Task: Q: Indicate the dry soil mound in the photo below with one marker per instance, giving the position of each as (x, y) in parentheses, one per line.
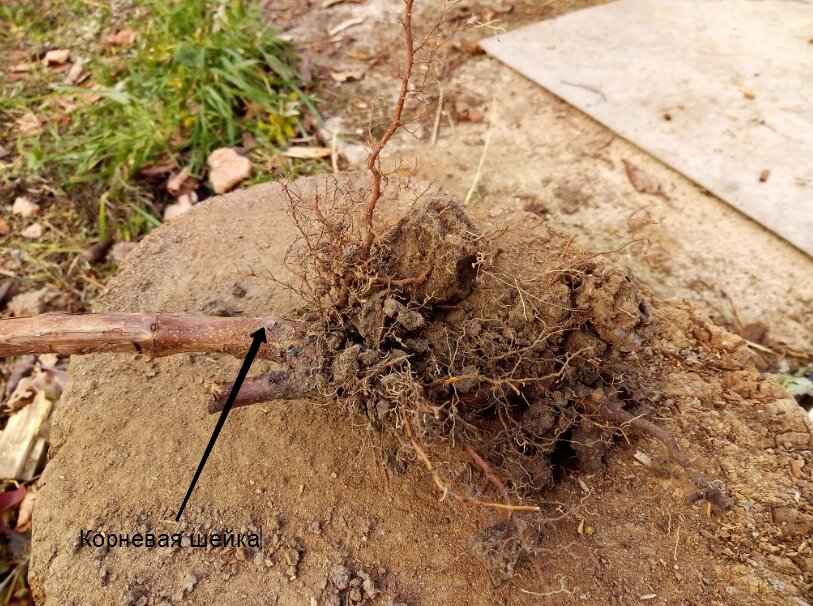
(339, 517)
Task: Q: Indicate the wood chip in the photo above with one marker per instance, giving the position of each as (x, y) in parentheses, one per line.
(640, 180)
(20, 435)
(347, 76)
(642, 458)
(345, 25)
(307, 153)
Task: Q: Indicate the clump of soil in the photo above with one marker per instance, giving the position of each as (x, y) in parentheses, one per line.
(493, 368)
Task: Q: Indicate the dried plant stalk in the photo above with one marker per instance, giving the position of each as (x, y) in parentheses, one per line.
(157, 334)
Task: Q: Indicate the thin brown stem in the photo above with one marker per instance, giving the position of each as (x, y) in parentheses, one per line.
(151, 334)
(373, 161)
(276, 385)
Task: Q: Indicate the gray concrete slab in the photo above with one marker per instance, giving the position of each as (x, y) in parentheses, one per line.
(721, 90)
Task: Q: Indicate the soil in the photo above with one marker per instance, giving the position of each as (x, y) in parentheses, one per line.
(547, 156)
(343, 522)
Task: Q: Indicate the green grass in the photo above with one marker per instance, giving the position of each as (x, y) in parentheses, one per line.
(200, 75)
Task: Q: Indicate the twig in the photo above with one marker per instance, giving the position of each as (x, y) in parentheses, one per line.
(150, 334)
(475, 182)
(438, 113)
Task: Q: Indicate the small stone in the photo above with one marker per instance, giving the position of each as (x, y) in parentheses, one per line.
(340, 577)
(355, 594)
(189, 582)
(227, 169)
(5, 228)
(24, 207)
(57, 57)
(33, 231)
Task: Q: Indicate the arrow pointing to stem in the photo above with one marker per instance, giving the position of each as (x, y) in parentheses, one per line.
(258, 339)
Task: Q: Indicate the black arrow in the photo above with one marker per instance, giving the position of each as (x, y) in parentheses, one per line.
(259, 339)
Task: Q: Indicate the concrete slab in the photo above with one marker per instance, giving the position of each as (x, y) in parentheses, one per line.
(721, 90)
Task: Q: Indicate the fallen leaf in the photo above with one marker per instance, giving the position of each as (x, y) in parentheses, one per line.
(39, 301)
(57, 57)
(10, 498)
(641, 181)
(796, 467)
(347, 76)
(307, 153)
(467, 113)
(22, 395)
(23, 367)
(471, 46)
(5, 228)
(26, 509)
(159, 169)
(249, 140)
(29, 124)
(20, 68)
(25, 208)
(347, 24)
(227, 169)
(76, 75)
(123, 37)
(33, 231)
(68, 104)
(97, 252)
(121, 250)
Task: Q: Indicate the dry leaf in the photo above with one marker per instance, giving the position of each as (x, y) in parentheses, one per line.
(123, 37)
(471, 46)
(307, 153)
(25, 208)
(33, 231)
(121, 250)
(57, 57)
(347, 76)
(249, 140)
(467, 113)
(227, 169)
(76, 75)
(20, 68)
(29, 124)
(5, 228)
(26, 509)
(796, 467)
(68, 104)
(641, 181)
(159, 169)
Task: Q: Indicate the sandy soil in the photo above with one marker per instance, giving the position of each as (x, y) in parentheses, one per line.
(129, 433)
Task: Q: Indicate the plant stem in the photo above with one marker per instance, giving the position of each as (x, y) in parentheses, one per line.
(151, 334)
